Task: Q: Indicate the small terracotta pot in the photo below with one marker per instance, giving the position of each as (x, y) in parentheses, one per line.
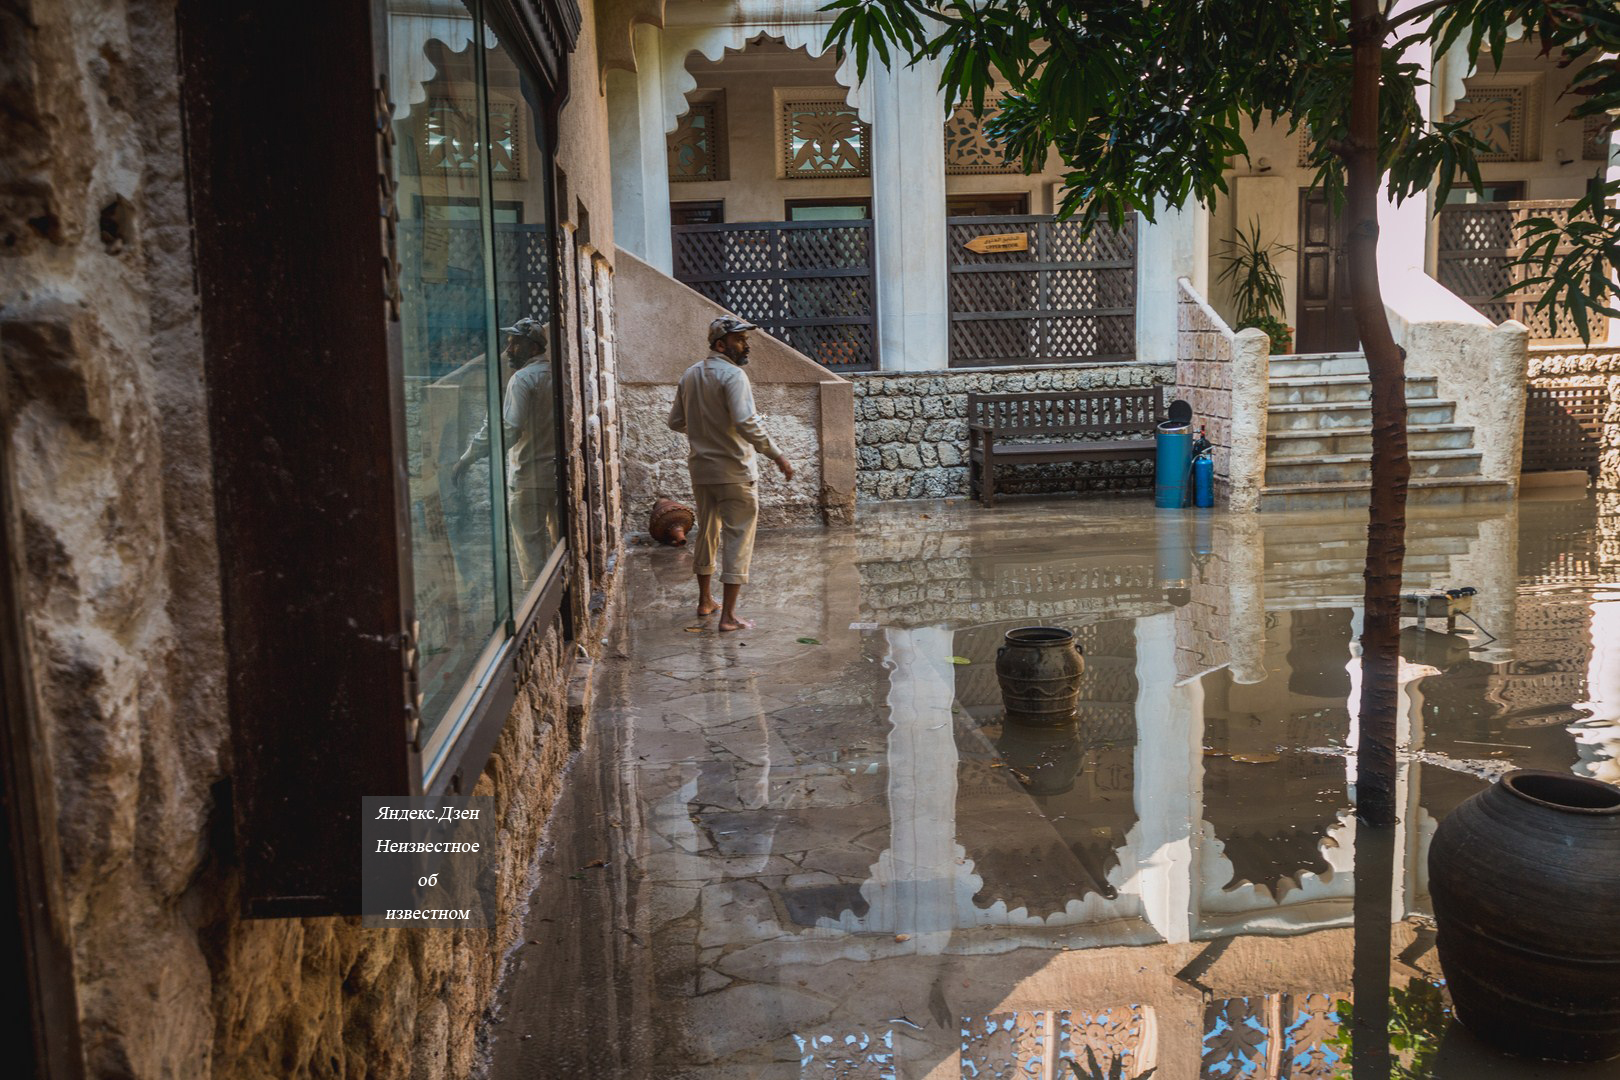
(670, 522)
(1525, 879)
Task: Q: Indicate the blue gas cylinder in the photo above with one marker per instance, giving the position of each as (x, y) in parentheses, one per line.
(1204, 480)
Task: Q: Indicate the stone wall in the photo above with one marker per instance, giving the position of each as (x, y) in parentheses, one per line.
(911, 431)
(807, 410)
(1225, 377)
(655, 456)
(106, 443)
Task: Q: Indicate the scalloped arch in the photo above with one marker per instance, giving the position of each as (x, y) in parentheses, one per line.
(713, 42)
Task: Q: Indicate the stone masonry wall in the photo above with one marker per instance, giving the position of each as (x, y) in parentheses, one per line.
(911, 434)
(1225, 378)
(1204, 376)
(106, 439)
(654, 459)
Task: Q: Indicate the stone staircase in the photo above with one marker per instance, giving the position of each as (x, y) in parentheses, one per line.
(1319, 440)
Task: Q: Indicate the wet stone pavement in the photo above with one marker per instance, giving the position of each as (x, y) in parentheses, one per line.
(815, 850)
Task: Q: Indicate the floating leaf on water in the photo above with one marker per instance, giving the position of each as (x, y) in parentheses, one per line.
(808, 641)
(960, 660)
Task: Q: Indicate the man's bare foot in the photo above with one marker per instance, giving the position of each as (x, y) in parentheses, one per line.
(735, 624)
(708, 609)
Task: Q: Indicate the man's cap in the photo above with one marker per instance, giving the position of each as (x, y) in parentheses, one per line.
(728, 324)
(533, 329)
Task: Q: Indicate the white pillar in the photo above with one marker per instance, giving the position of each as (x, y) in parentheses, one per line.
(913, 888)
(1403, 229)
(640, 163)
(1169, 779)
(908, 210)
(1174, 246)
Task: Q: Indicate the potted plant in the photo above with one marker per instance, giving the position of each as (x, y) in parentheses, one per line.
(1251, 273)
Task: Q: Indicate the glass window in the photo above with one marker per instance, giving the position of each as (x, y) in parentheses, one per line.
(524, 255)
(478, 341)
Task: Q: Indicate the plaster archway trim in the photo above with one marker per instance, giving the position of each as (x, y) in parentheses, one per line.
(713, 42)
(616, 22)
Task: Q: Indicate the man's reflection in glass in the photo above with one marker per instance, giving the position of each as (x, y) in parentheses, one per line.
(526, 419)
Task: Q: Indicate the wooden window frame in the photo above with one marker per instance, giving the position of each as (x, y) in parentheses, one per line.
(305, 401)
(790, 205)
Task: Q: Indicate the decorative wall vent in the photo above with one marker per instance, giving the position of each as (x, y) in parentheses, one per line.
(447, 137)
(697, 146)
(1503, 114)
(823, 139)
(968, 152)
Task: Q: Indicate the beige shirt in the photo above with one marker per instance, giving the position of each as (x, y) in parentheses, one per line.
(714, 406)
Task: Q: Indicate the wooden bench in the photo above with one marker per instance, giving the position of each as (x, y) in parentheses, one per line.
(1071, 425)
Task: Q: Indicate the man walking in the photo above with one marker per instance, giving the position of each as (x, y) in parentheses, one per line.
(714, 407)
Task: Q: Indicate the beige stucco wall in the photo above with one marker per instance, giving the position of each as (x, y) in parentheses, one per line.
(106, 438)
(1266, 185)
(809, 411)
(755, 81)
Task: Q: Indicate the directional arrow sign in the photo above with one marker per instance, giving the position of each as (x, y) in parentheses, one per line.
(994, 242)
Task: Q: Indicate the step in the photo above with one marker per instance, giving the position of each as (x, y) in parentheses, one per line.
(1356, 548)
(1353, 414)
(1357, 468)
(1433, 491)
(1292, 444)
(1411, 564)
(1326, 364)
(1315, 389)
(1425, 530)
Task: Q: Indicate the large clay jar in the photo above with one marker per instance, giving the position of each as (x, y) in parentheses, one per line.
(1039, 669)
(1525, 878)
(1045, 760)
(670, 522)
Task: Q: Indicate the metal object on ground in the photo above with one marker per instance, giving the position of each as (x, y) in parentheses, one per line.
(1438, 605)
(1526, 891)
(1172, 463)
(670, 522)
(1039, 670)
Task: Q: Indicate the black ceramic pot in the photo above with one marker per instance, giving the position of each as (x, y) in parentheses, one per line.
(1039, 670)
(1525, 878)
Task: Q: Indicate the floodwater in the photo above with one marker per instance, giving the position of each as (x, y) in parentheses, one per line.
(815, 849)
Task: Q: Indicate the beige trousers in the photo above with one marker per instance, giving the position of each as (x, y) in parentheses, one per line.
(726, 515)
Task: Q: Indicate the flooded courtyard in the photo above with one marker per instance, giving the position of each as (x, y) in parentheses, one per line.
(816, 849)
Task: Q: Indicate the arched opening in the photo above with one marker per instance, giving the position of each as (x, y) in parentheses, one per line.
(771, 199)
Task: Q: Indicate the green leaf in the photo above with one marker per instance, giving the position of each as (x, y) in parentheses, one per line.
(808, 641)
(960, 660)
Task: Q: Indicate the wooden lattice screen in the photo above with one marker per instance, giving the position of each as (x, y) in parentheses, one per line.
(809, 283)
(1064, 299)
(1561, 427)
(1477, 247)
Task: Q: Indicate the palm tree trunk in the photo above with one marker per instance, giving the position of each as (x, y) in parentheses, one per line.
(1386, 518)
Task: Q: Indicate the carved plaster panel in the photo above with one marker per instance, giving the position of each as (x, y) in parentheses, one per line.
(967, 151)
(823, 140)
(1504, 112)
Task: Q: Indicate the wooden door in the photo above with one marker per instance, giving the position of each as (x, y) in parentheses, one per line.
(1322, 305)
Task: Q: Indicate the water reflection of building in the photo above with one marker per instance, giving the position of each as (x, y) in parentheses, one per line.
(1190, 839)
